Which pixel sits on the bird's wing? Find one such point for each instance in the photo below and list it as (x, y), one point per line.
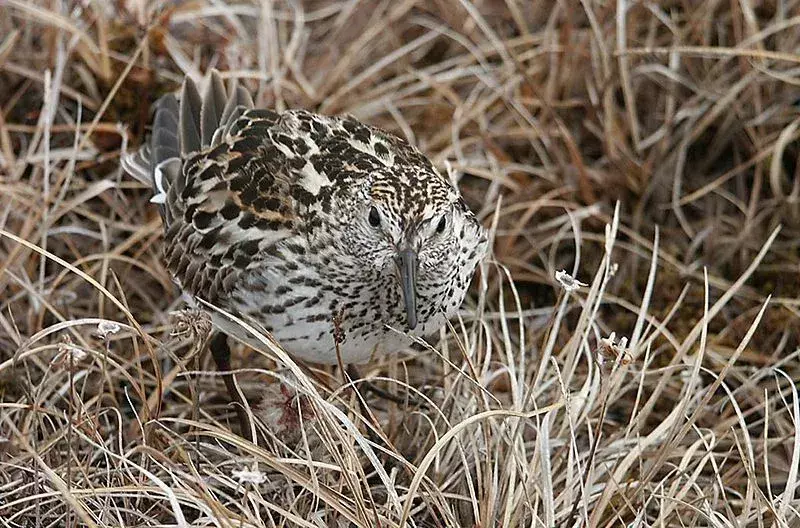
(234, 183)
(230, 205)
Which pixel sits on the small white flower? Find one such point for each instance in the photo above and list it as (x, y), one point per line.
(246, 476)
(69, 356)
(568, 282)
(106, 328)
(610, 349)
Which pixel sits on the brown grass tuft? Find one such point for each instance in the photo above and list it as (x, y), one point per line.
(650, 149)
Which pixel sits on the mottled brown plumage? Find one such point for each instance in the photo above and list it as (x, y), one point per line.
(292, 219)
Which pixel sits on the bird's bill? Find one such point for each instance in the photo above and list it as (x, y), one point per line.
(407, 266)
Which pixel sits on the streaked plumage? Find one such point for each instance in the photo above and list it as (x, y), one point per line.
(294, 219)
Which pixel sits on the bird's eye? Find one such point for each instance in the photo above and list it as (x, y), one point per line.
(441, 225)
(374, 218)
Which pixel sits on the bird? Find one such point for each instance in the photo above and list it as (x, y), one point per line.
(341, 240)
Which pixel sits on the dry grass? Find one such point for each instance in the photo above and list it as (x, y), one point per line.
(685, 114)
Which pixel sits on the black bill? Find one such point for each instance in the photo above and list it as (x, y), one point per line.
(407, 266)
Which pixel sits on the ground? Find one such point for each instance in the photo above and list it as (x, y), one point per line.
(649, 149)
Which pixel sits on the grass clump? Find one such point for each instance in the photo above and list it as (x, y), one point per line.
(649, 150)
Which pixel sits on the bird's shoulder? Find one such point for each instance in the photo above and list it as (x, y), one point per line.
(273, 166)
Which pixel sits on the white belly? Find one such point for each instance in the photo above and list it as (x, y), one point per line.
(354, 349)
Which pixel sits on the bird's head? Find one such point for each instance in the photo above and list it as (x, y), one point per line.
(412, 224)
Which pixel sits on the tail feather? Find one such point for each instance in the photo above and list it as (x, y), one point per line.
(164, 151)
(181, 126)
(190, 117)
(239, 98)
(213, 106)
(238, 103)
(165, 142)
(137, 164)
